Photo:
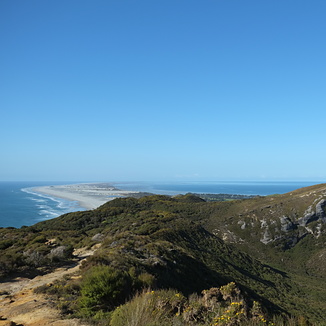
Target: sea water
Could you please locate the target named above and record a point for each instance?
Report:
(262, 188)
(20, 205)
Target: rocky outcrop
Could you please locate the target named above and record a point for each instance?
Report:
(267, 238)
(308, 216)
(98, 237)
(311, 215)
(286, 224)
(302, 224)
(320, 210)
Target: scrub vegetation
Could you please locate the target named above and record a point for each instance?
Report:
(184, 261)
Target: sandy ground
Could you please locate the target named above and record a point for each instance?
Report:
(88, 195)
(19, 305)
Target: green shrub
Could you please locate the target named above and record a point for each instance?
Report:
(4, 244)
(102, 289)
(39, 239)
(9, 262)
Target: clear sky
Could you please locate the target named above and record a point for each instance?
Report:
(117, 90)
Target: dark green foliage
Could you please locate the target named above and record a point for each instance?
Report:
(10, 262)
(39, 239)
(190, 198)
(102, 289)
(4, 244)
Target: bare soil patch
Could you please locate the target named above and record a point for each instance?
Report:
(19, 305)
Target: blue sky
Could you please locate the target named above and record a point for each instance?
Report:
(121, 90)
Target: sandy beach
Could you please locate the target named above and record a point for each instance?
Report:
(88, 195)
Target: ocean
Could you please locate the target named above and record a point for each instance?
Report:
(19, 205)
(262, 188)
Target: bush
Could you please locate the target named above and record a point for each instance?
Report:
(10, 262)
(60, 253)
(39, 239)
(34, 258)
(151, 308)
(102, 289)
(4, 244)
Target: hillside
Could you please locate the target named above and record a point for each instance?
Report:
(277, 227)
(271, 247)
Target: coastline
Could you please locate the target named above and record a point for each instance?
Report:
(88, 195)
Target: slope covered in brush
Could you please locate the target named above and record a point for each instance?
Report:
(277, 228)
(189, 245)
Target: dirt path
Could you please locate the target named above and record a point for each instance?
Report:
(19, 305)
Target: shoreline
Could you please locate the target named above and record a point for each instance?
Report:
(88, 195)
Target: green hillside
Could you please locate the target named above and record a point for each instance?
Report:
(270, 250)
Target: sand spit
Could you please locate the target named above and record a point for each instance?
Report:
(88, 195)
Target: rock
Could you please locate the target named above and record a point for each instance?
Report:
(98, 237)
(113, 244)
(286, 224)
(320, 210)
(263, 224)
(266, 237)
(243, 224)
(308, 216)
